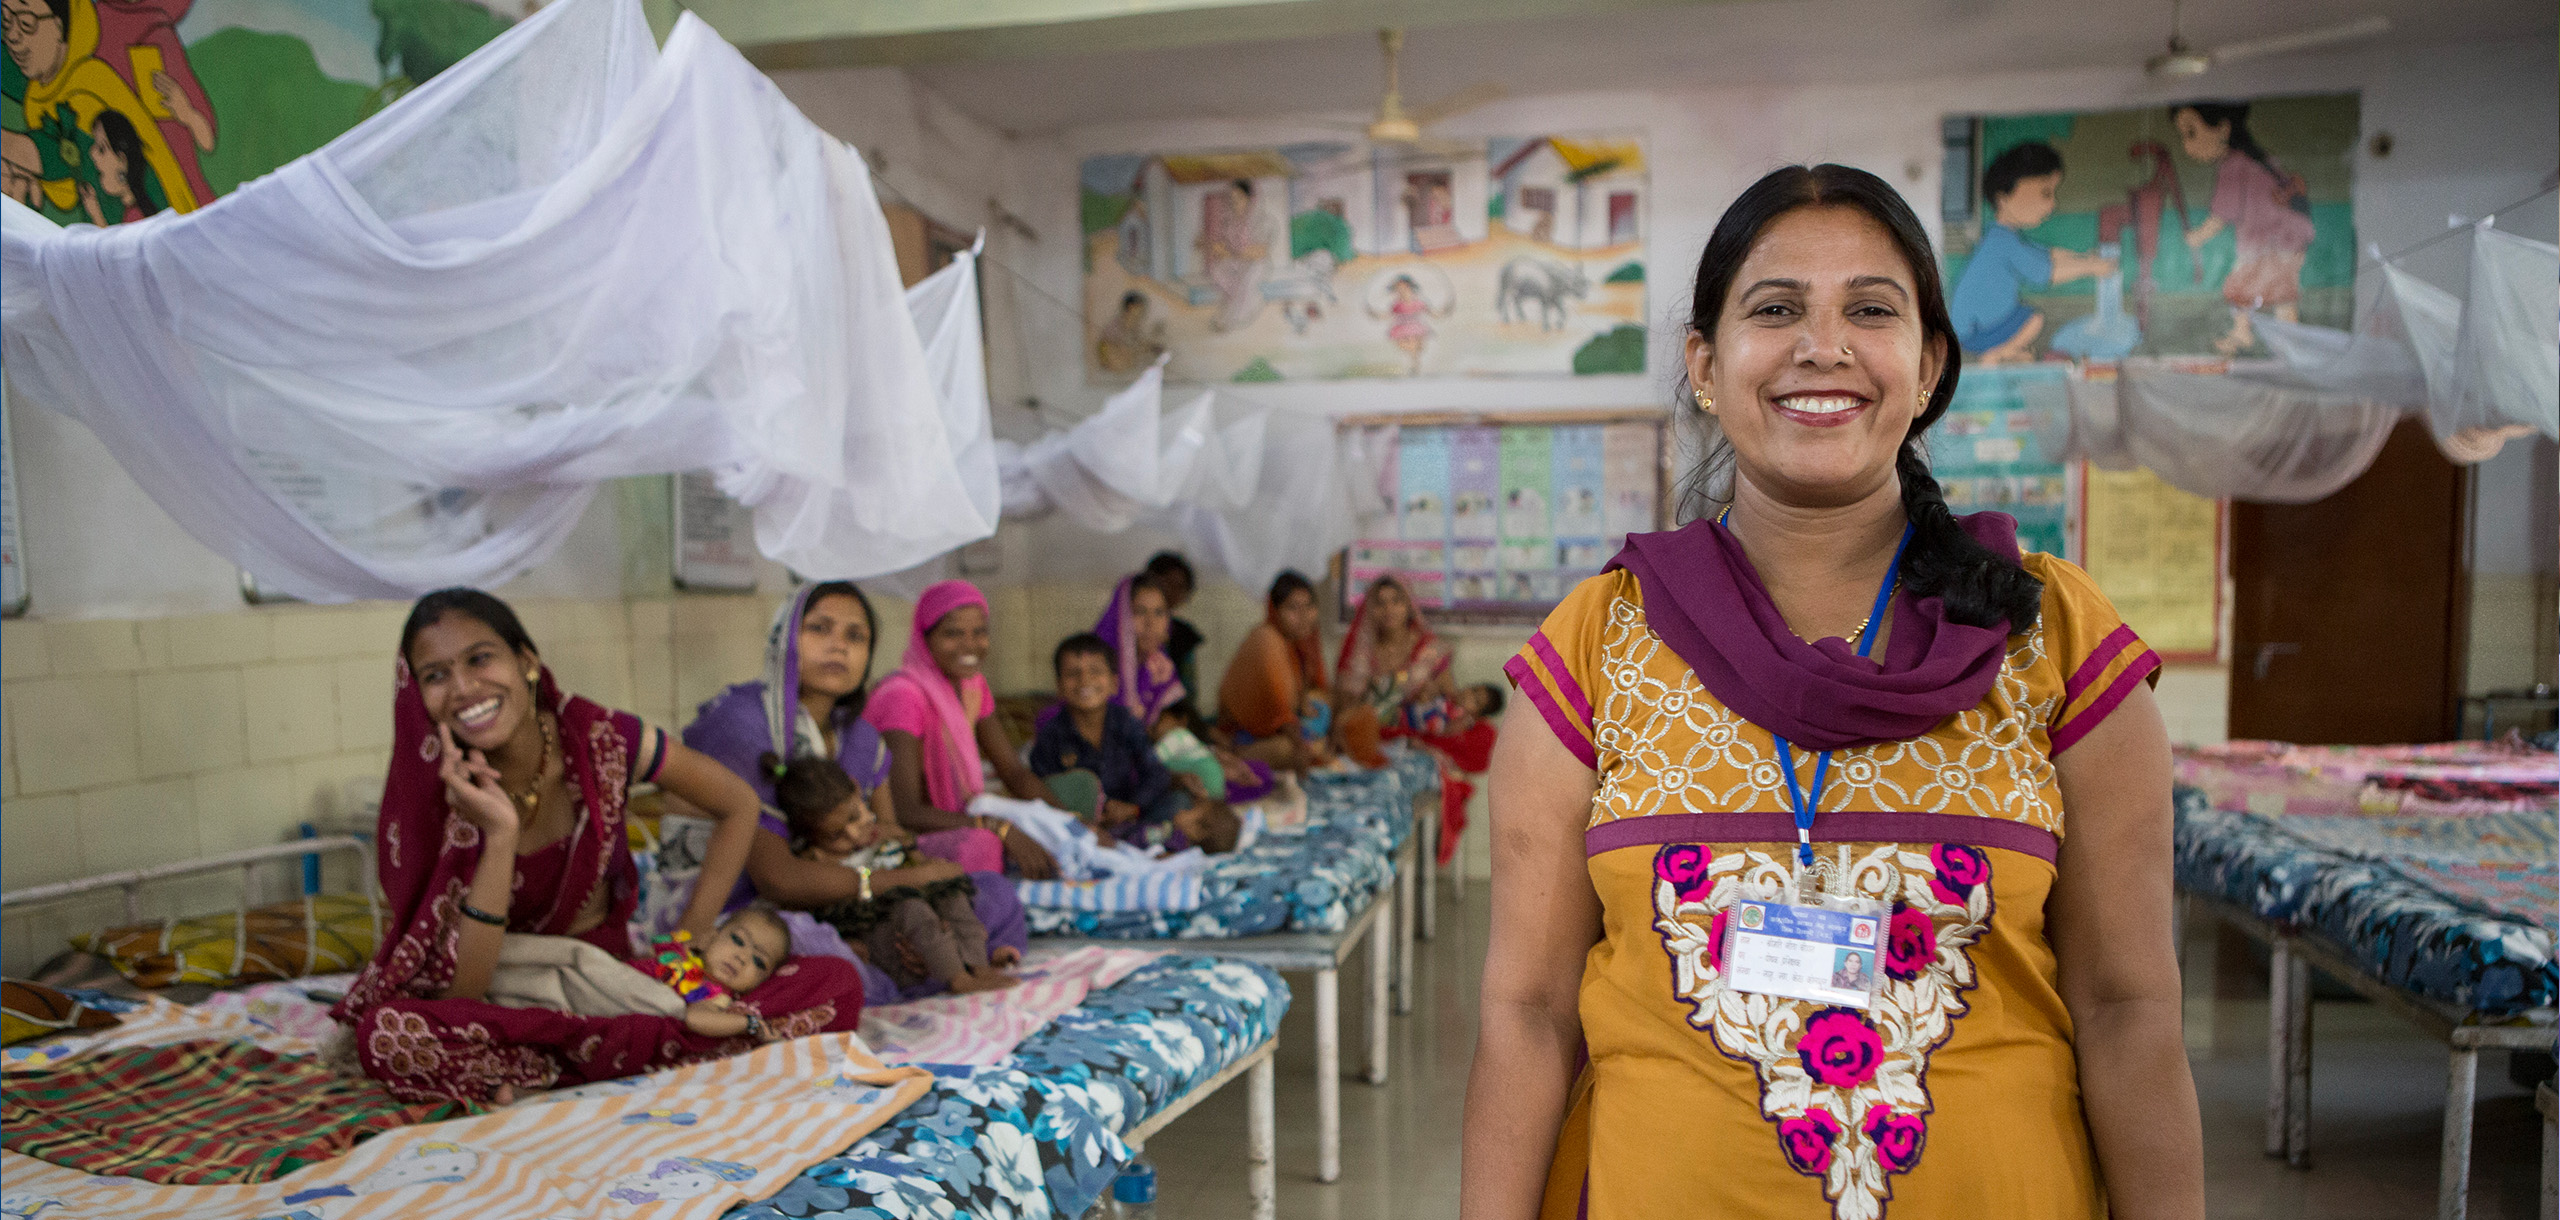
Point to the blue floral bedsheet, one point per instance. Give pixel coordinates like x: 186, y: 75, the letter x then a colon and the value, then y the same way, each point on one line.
x: 1039, y: 1135
x: 2431, y: 939
x: 1314, y: 880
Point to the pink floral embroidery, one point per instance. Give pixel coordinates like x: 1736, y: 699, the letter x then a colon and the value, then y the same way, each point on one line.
x: 1897, y: 1138
x: 1808, y: 1140
x: 1845, y: 1091
x: 1911, y: 943
x: 1840, y: 1050
x: 1959, y: 869
x: 1684, y: 865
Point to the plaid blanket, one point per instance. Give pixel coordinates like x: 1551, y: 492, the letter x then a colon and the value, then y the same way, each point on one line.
x: 195, y: 1113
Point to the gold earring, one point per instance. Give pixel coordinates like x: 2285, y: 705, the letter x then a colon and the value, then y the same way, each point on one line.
x: 1705, y: 403
x: 534, y: 674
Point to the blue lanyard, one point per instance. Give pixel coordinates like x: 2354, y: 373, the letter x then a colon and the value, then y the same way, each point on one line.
x: 1806, y: 803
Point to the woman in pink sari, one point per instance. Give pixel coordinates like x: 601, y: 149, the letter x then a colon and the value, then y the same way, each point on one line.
x: 503, y: 813
x: 937, y: 716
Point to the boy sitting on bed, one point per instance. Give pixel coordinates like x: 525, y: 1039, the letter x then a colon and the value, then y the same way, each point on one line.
x: 1142, y: 802
x: 912, y: 932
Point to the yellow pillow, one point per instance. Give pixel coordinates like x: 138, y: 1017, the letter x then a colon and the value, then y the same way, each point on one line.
x: 321, y: 934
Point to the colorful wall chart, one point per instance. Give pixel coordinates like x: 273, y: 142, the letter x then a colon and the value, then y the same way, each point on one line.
x: 1498, y: 520
x: 1999, y: 447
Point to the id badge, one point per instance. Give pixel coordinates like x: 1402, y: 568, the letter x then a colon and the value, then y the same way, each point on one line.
x: 1825, y: 953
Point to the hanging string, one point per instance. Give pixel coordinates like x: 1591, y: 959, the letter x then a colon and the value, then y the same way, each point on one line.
x: 1023, y: 280
x: 2375, y: 256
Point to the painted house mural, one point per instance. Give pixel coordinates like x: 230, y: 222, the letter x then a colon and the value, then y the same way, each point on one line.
x: 1329, y: 260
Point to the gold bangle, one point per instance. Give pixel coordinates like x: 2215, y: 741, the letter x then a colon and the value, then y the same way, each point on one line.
x: 865, y: 872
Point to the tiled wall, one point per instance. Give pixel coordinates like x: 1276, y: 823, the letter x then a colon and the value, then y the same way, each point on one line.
x: 130, y: 743
x: 137, y: 742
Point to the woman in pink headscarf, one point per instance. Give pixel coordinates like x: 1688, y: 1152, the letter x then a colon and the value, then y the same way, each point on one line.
x: 937, y: 715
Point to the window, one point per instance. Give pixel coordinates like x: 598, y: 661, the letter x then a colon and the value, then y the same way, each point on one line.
x: 1957, y: 140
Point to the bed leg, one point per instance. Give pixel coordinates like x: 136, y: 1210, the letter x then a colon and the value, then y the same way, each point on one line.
x: 2297, y: 1063
x: 1430, y: 875
x: 1261, y: 1140
x: 2550, y: 1154
x: 2453, y: 1174
x: 1328, y: 1075
x: 2287, y: 975
x: 1401, y: 935
x: 1382, y: 946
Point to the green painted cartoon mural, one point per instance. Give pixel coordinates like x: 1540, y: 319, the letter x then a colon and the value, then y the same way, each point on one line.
x: 117, y: 110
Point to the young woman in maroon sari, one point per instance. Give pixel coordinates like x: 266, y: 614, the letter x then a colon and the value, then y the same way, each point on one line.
x: 1390, y: 658
x: 503, y: 812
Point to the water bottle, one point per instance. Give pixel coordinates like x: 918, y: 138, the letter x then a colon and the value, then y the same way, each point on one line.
x: 1133, y: 1195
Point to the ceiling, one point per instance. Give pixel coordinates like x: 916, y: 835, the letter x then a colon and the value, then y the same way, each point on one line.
x: 1678, y: 46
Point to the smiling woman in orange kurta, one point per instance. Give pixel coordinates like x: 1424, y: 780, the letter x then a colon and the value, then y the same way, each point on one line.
x: 1984, y: 765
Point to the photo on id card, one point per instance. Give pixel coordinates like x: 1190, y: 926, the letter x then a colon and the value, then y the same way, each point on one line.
x: 1818, y: 953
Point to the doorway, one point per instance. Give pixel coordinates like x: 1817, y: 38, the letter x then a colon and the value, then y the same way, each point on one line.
x: 2349, y: 616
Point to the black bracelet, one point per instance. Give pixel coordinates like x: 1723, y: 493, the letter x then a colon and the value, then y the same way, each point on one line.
x: 755, y: 1027
x: 471, y: 912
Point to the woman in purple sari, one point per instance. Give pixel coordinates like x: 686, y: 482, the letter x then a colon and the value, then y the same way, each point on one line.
x: 1136, y: 625
x: 817, y: 669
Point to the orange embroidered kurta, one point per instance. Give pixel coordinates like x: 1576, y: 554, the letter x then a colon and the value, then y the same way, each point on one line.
x: 1957, y: 1094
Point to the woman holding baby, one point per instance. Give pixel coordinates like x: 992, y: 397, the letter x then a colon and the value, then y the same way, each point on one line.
x: 503, y: 814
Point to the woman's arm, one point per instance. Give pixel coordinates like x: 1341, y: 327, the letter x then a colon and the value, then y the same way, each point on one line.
x: 717, y: 791
x: 997, y: 747
x: 906, y: 788
x: 1546, y: 917
x: 792, y: 883
x: 472, y: 790
x: 2109, y: 923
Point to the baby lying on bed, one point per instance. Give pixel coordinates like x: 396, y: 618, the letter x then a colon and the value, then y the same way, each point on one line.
x: 912, y: 931
x: 1084, y: 856
x: 742, y: 954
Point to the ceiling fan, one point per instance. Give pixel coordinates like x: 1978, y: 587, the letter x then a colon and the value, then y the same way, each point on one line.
x: 1396, y: 129
x: 2183, y: 59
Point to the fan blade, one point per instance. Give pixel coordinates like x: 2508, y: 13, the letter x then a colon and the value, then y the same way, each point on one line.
x: 2307, y: 39
x: 1463, y: 100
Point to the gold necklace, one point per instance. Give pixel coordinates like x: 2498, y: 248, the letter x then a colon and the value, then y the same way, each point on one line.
x: 1861, y: 629
x: 531, y: 798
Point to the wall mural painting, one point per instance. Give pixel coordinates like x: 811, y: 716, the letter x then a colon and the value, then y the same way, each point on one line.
x: 2149, y: 233
x: 119, y: 110
x: 1326, y: 260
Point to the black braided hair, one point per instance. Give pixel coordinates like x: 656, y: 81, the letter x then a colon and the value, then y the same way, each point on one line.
x: 1980, y: 587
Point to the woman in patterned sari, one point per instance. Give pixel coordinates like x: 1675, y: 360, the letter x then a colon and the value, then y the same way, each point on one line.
x: 1709, y: 729
x: 1389, y: 658
x: 503, y: 813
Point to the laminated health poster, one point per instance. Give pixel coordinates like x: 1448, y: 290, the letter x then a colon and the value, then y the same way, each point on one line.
x: 1999, y: 447
x: 1497, y: 520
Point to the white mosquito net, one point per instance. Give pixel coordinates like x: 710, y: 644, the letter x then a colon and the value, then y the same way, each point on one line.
x: 571, y: 257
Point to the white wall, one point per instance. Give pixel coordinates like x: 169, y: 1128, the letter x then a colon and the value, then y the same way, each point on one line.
x: 2473, y: 127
